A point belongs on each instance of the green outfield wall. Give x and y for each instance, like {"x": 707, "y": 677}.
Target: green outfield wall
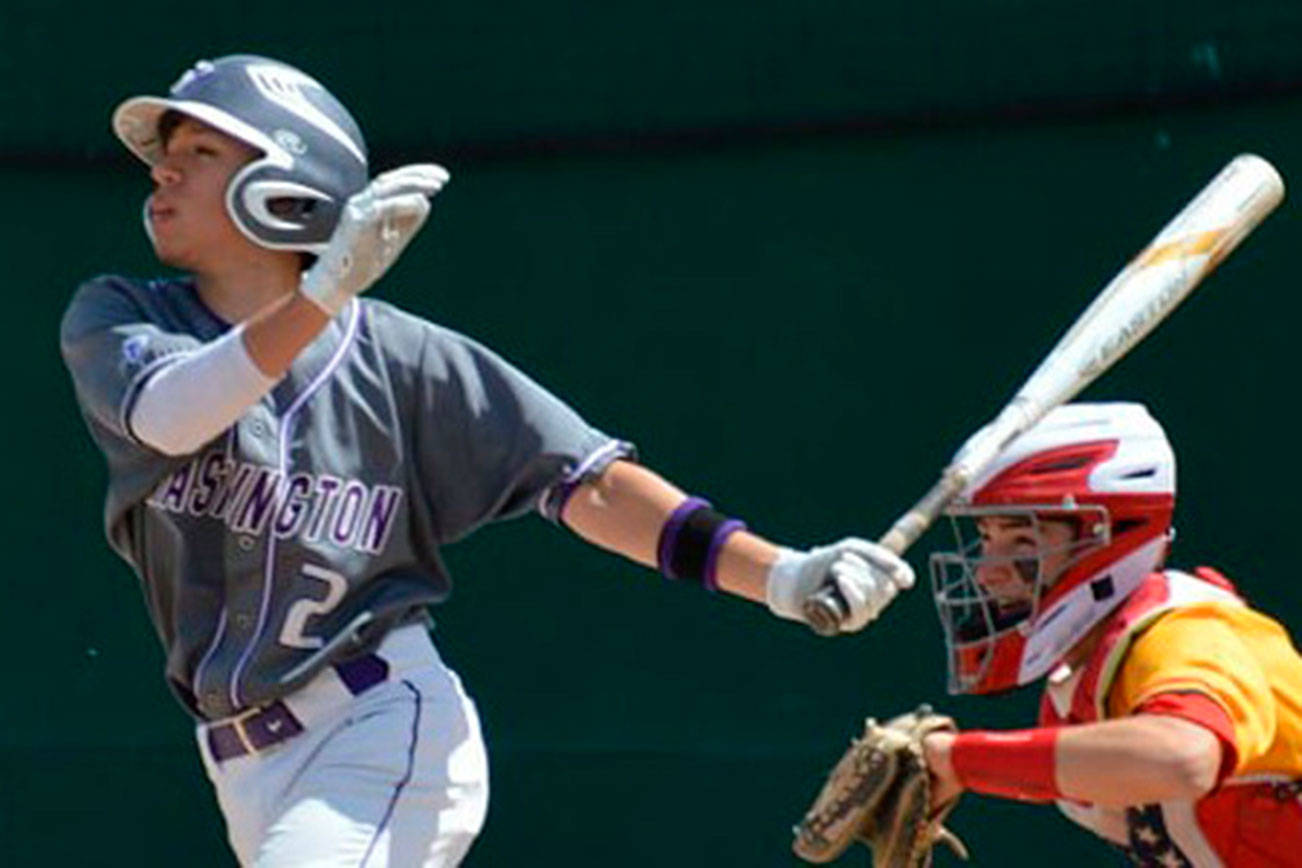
{"x": 505, "y": 74}
{"x": 796, "y": 252}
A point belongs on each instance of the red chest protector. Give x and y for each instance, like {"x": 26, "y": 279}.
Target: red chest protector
{"x": 1244, "y": 823}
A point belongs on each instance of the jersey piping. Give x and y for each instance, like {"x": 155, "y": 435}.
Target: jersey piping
{"x": 286, "y": 427}
{"x": 220, "y": 630}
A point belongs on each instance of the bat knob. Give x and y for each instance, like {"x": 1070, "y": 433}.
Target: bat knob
{"x": 824, "y": 611}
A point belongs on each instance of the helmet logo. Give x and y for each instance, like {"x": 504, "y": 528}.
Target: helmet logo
{"x": 201, "y": 68}
{"x": 290, "y": 141}
{"x": 133, "y": 348}
{"x": 285, "y": 87}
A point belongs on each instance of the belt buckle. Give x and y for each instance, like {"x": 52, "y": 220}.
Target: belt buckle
{"x": 237, "y": 724}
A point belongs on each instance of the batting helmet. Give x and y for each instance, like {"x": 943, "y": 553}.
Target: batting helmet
{"x": 313, "y": 155}
{"x": 1010, "y": 615}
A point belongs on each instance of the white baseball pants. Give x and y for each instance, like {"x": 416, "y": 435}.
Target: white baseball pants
{"x": 395, "y": 777}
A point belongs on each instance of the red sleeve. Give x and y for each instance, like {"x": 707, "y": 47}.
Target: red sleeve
{"x": 1200, "y": 709}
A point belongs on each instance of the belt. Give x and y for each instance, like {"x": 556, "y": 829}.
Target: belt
{"x": 259, "y": 728}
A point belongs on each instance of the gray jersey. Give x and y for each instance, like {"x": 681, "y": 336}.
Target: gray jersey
{"x": 313, "y": 525}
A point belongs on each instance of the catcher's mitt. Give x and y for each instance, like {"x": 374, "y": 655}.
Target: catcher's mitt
{"x": 880, "y": 794}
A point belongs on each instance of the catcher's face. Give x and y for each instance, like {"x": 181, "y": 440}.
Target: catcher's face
{"x": 1016, "y": 551}
{"x": 988, "y": 591}
{"x": 188, "y": 221}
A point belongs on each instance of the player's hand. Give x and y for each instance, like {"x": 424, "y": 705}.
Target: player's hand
{"x": 376, "y": 226}
{"x": 867, "y": 575}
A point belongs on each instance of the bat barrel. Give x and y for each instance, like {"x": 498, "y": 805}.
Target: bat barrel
{"x": 1159, "y": 278}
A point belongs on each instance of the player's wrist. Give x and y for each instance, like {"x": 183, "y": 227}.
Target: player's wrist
{"x": 321, "y": 284}
{"x": 744, "y": 564}
{"x": 692, "y": 540}
{"x": 1018, "y": 764}
{"x": 937, "y": 750}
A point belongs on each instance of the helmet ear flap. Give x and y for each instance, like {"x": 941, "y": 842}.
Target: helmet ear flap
{"x": 275, "y": 210}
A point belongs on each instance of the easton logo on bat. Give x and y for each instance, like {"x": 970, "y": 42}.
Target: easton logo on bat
{"x": 1116, "y": 342}
{"x": 1204, "y": 243}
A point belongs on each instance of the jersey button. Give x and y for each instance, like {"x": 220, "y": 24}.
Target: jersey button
{"x": 243, "y": 620}
{"x": 246, "y": 543}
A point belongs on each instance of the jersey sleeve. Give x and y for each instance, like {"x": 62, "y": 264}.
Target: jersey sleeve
{"x": 492, "y": 443}
{"x": 1195, "y": 652}
{"x": 111, "y": 350}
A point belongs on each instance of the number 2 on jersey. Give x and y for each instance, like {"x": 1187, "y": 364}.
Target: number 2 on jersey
{"x": 292, "y": 633}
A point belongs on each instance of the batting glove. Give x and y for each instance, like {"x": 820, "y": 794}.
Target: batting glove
{"x": 867, "y": 576}
{"x": 375, "y": 227}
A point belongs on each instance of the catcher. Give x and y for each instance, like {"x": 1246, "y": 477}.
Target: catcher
{"x": 1171, "y": 721}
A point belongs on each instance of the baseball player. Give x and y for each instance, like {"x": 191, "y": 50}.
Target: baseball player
{"x": 1171, "y": 720}
{"x": 286, "y": 460}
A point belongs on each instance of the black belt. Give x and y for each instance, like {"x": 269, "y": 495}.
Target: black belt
{"x": 259, "y": 728}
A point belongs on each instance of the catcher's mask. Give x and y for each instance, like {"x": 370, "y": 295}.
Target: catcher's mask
{"x": 1050, "y": 540}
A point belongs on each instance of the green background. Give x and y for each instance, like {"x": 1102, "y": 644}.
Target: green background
{"x": 796, "y": 251}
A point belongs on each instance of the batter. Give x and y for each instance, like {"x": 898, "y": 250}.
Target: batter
{"x": 286, "y": 460}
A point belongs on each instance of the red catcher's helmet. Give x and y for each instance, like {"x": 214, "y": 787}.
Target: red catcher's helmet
{"x": 1108, "y": 469}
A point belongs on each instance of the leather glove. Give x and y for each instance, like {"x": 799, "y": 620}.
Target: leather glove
{"x": 879, "y": 793}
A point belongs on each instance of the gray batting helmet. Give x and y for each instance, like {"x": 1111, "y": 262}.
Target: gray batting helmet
{"x": 313, "y": 155}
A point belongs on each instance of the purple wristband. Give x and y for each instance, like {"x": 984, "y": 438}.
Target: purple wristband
{"x": 669, "y": 533}
{"x": 724, "y": 531}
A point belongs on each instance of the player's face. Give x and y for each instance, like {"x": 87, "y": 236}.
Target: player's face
{"x": 1017, "y": 549}
{"x": 187, "y": 212}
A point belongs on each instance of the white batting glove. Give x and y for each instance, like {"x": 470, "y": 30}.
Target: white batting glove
{"x": 867, "y": 575}
{"x": 375, "y": 227}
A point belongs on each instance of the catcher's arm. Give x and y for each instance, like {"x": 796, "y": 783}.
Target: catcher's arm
{"x": 1133, "y": 760}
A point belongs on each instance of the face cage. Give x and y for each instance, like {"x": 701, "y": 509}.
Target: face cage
{"x": 975, "y": 622}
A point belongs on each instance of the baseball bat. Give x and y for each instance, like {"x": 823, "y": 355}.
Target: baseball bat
{"x": 1129, "y": 307}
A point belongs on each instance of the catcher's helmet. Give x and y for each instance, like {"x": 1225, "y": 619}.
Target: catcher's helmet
{"x": 1109, "y": 472}
{"x": 313, "y": 155}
